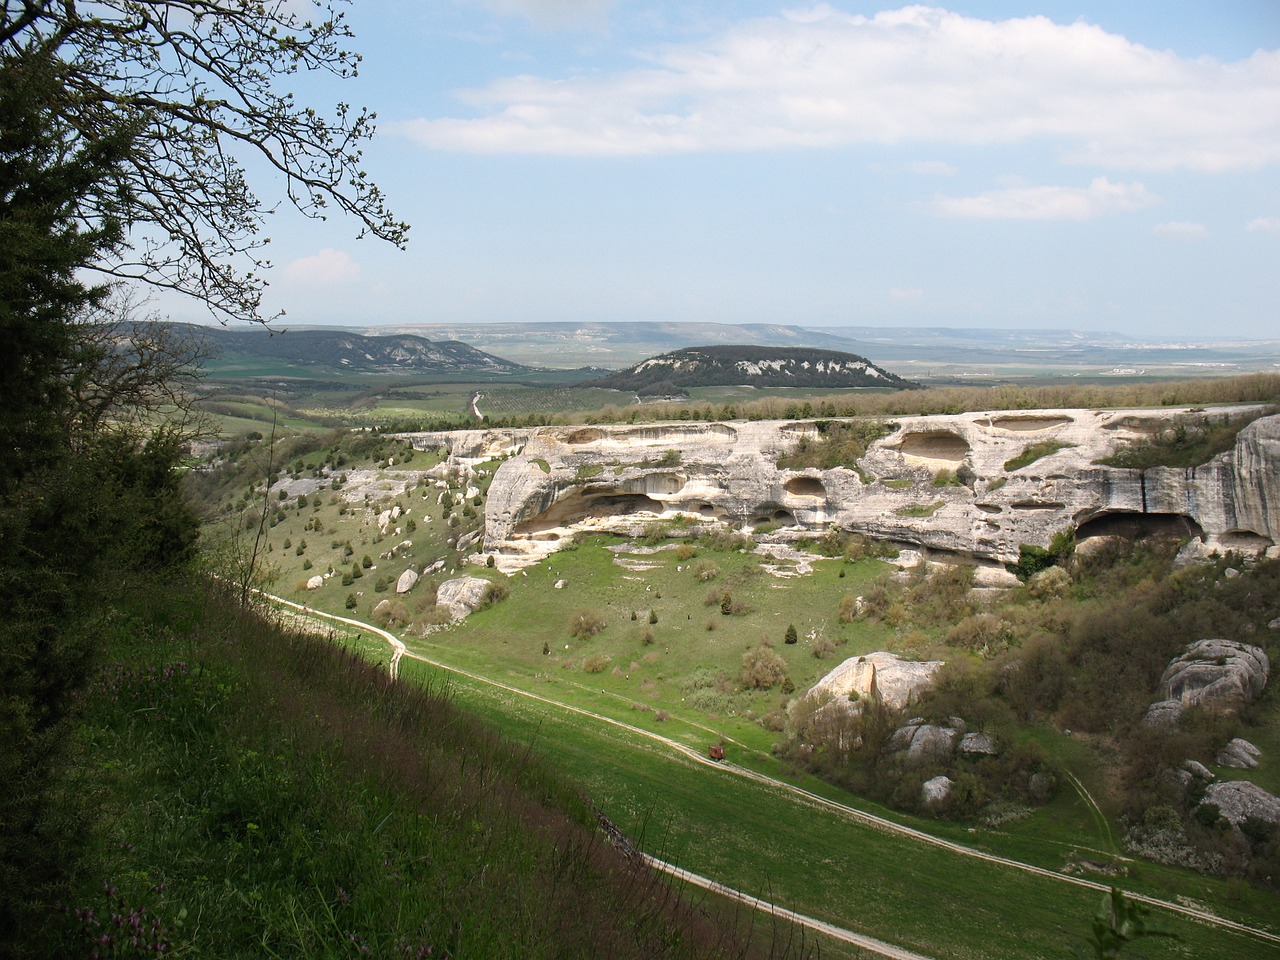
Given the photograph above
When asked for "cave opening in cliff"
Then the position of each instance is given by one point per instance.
(1140, 526)
(578, 508)
(806, 487)
(774, 515)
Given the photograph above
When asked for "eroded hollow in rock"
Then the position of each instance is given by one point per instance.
(1137, 526)
(774, 514)
(1028, 424)
(806, 487)
(935, 445)
(586, 435)
(1037, 505)
(665, 484)
(1245, 541)
(577, 508)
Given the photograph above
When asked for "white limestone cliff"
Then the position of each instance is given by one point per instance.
(620, 478)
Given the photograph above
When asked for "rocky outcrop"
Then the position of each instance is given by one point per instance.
(880, 676)
(621, 478)
(1221, 676)
(1240, 800)
(463, 595)
(1239, 755)
(978, 745)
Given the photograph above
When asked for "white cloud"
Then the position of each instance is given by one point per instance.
(1180, 230)
(1264, 225)
(822, 77)
(328, 268)
(1049, 203)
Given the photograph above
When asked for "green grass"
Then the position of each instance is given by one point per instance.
(759, 839)
(262, 794)
(920, 509)
(1034, 452)
(1189, 443)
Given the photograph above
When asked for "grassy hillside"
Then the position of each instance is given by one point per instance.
(262, 792)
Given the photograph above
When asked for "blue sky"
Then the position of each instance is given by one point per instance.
(1095, 166)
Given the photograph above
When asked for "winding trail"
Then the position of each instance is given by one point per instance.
(849, 813)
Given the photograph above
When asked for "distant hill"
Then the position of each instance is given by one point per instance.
(614, 345)
(336, 351)
(754, 365)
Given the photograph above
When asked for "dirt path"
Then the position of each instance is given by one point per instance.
(849, 813)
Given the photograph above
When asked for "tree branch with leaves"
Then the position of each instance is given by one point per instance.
(198, 83)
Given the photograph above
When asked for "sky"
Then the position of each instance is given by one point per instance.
(1110, 166)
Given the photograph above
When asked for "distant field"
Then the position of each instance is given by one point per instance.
(510, 402)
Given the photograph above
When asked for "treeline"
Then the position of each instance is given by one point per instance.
(1247, 388)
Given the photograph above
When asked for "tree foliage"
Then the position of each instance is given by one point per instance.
(196, 85)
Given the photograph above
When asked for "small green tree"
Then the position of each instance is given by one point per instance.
(653, 616)
(791, 636)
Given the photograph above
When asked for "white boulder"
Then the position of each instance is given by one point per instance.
(407, 581)
(935, 792)
(920, 743)
(882, 676)
(1240, 800)
(1239, 755)
(315, 583)
(462, 595)
(1221, 676)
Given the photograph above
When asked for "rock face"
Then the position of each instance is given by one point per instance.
(1239, 800)
(1222, 676)
(882, 676)
(463, 595)
(620, 478)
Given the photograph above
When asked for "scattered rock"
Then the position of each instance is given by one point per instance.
(1231, 573)
(883, 676)
(560, 584)
(1240, 800)
(978, 745)
(922, 743)
(1239, 755)
(1221, 676)
(935, 793)
(407, 581)
(463, 595)
(1274, 624)
(316, 582)
(381, 608)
